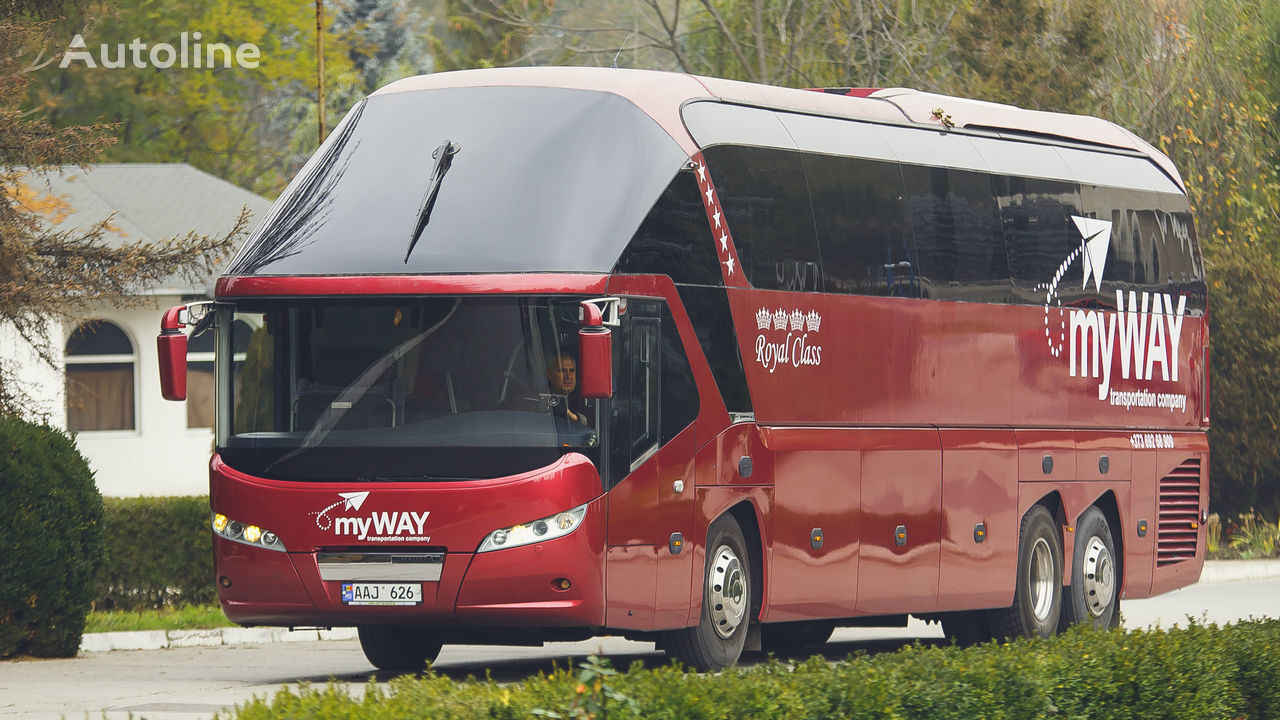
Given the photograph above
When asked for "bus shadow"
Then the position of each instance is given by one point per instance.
(519, 669)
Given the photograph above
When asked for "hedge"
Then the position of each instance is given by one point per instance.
(159, 553)
(50, 540)
(1201, 672)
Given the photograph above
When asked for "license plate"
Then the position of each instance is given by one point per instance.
(382, 593)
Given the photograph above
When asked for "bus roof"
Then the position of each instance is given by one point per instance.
(662, 94)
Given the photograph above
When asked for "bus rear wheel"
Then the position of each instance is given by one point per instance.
(399, 648)
(1037, 594)
(716, 641)
(1094, 594)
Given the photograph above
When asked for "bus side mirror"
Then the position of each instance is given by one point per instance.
(595, 354)
(172, 346)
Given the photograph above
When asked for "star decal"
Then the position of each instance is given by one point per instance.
(717, 218)
(702, 172)
(724, 242)
(729, 264)
(710, 191)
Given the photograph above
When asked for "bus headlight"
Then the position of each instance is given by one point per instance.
(236, 531)
(547, 528)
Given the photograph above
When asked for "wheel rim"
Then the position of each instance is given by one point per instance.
(1099, 576)
(1040, 579)
(727, 591)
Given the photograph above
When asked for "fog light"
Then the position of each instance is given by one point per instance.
(224, 581)
(561, 584)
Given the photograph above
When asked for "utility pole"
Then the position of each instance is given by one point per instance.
(320, 65)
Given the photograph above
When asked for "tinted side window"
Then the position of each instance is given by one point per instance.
(674, 239)
(765, 199)
(1134, 231)
(1041, 236)
(655, 396)
(861, 220)
(1183, 266)
(708, 310)
(679, 391)
(959, 243)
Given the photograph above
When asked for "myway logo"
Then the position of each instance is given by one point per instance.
(1145, 330)
(396, 526)
(382, 524)
(1140, 327)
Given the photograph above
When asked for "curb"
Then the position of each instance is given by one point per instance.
(1215, 571)
(161, 639)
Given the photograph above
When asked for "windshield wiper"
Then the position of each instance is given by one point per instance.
(443, 156)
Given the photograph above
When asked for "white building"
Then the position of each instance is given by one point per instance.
(108, 392)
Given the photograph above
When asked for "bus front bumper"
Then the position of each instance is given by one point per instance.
(556, 583)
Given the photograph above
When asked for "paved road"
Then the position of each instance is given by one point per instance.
(194, 683)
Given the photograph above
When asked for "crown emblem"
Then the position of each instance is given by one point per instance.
(764, 319)
(780, 319)
(797, 320)
(812, 321)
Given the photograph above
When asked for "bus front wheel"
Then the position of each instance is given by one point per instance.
(716, 641)
(398, 648)
(1037, 594)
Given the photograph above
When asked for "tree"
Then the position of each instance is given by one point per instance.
(1199, 78)
(45, 275)
(253, 126)
(386, 40)
(488, 33)
(808, 43)
(1021, 53)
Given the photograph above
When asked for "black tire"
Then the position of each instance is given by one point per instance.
(727, 603)
(966, 628)
(791, 637)
(1094, 594)
(1037, 594)
(398, 648)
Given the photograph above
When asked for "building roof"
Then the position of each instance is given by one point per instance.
(146, 202)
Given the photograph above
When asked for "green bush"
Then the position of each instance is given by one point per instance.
(1202, 672)
(50, 540)
(159, 554)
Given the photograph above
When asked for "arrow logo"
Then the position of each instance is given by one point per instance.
(353, 499)
(1097, 240)
(349, 501)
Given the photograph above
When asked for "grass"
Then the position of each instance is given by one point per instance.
(191, 617)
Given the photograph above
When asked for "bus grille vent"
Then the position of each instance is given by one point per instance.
(1179, 514)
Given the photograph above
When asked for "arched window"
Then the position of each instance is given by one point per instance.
(100, 378)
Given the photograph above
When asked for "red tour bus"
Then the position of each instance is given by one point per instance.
(529, 355)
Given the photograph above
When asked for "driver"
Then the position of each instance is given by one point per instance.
(562, 378)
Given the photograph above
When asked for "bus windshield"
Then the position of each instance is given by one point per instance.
(469, 180)
(443, 388)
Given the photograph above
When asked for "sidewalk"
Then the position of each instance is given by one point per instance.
(1215, 571)
(161, 639)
